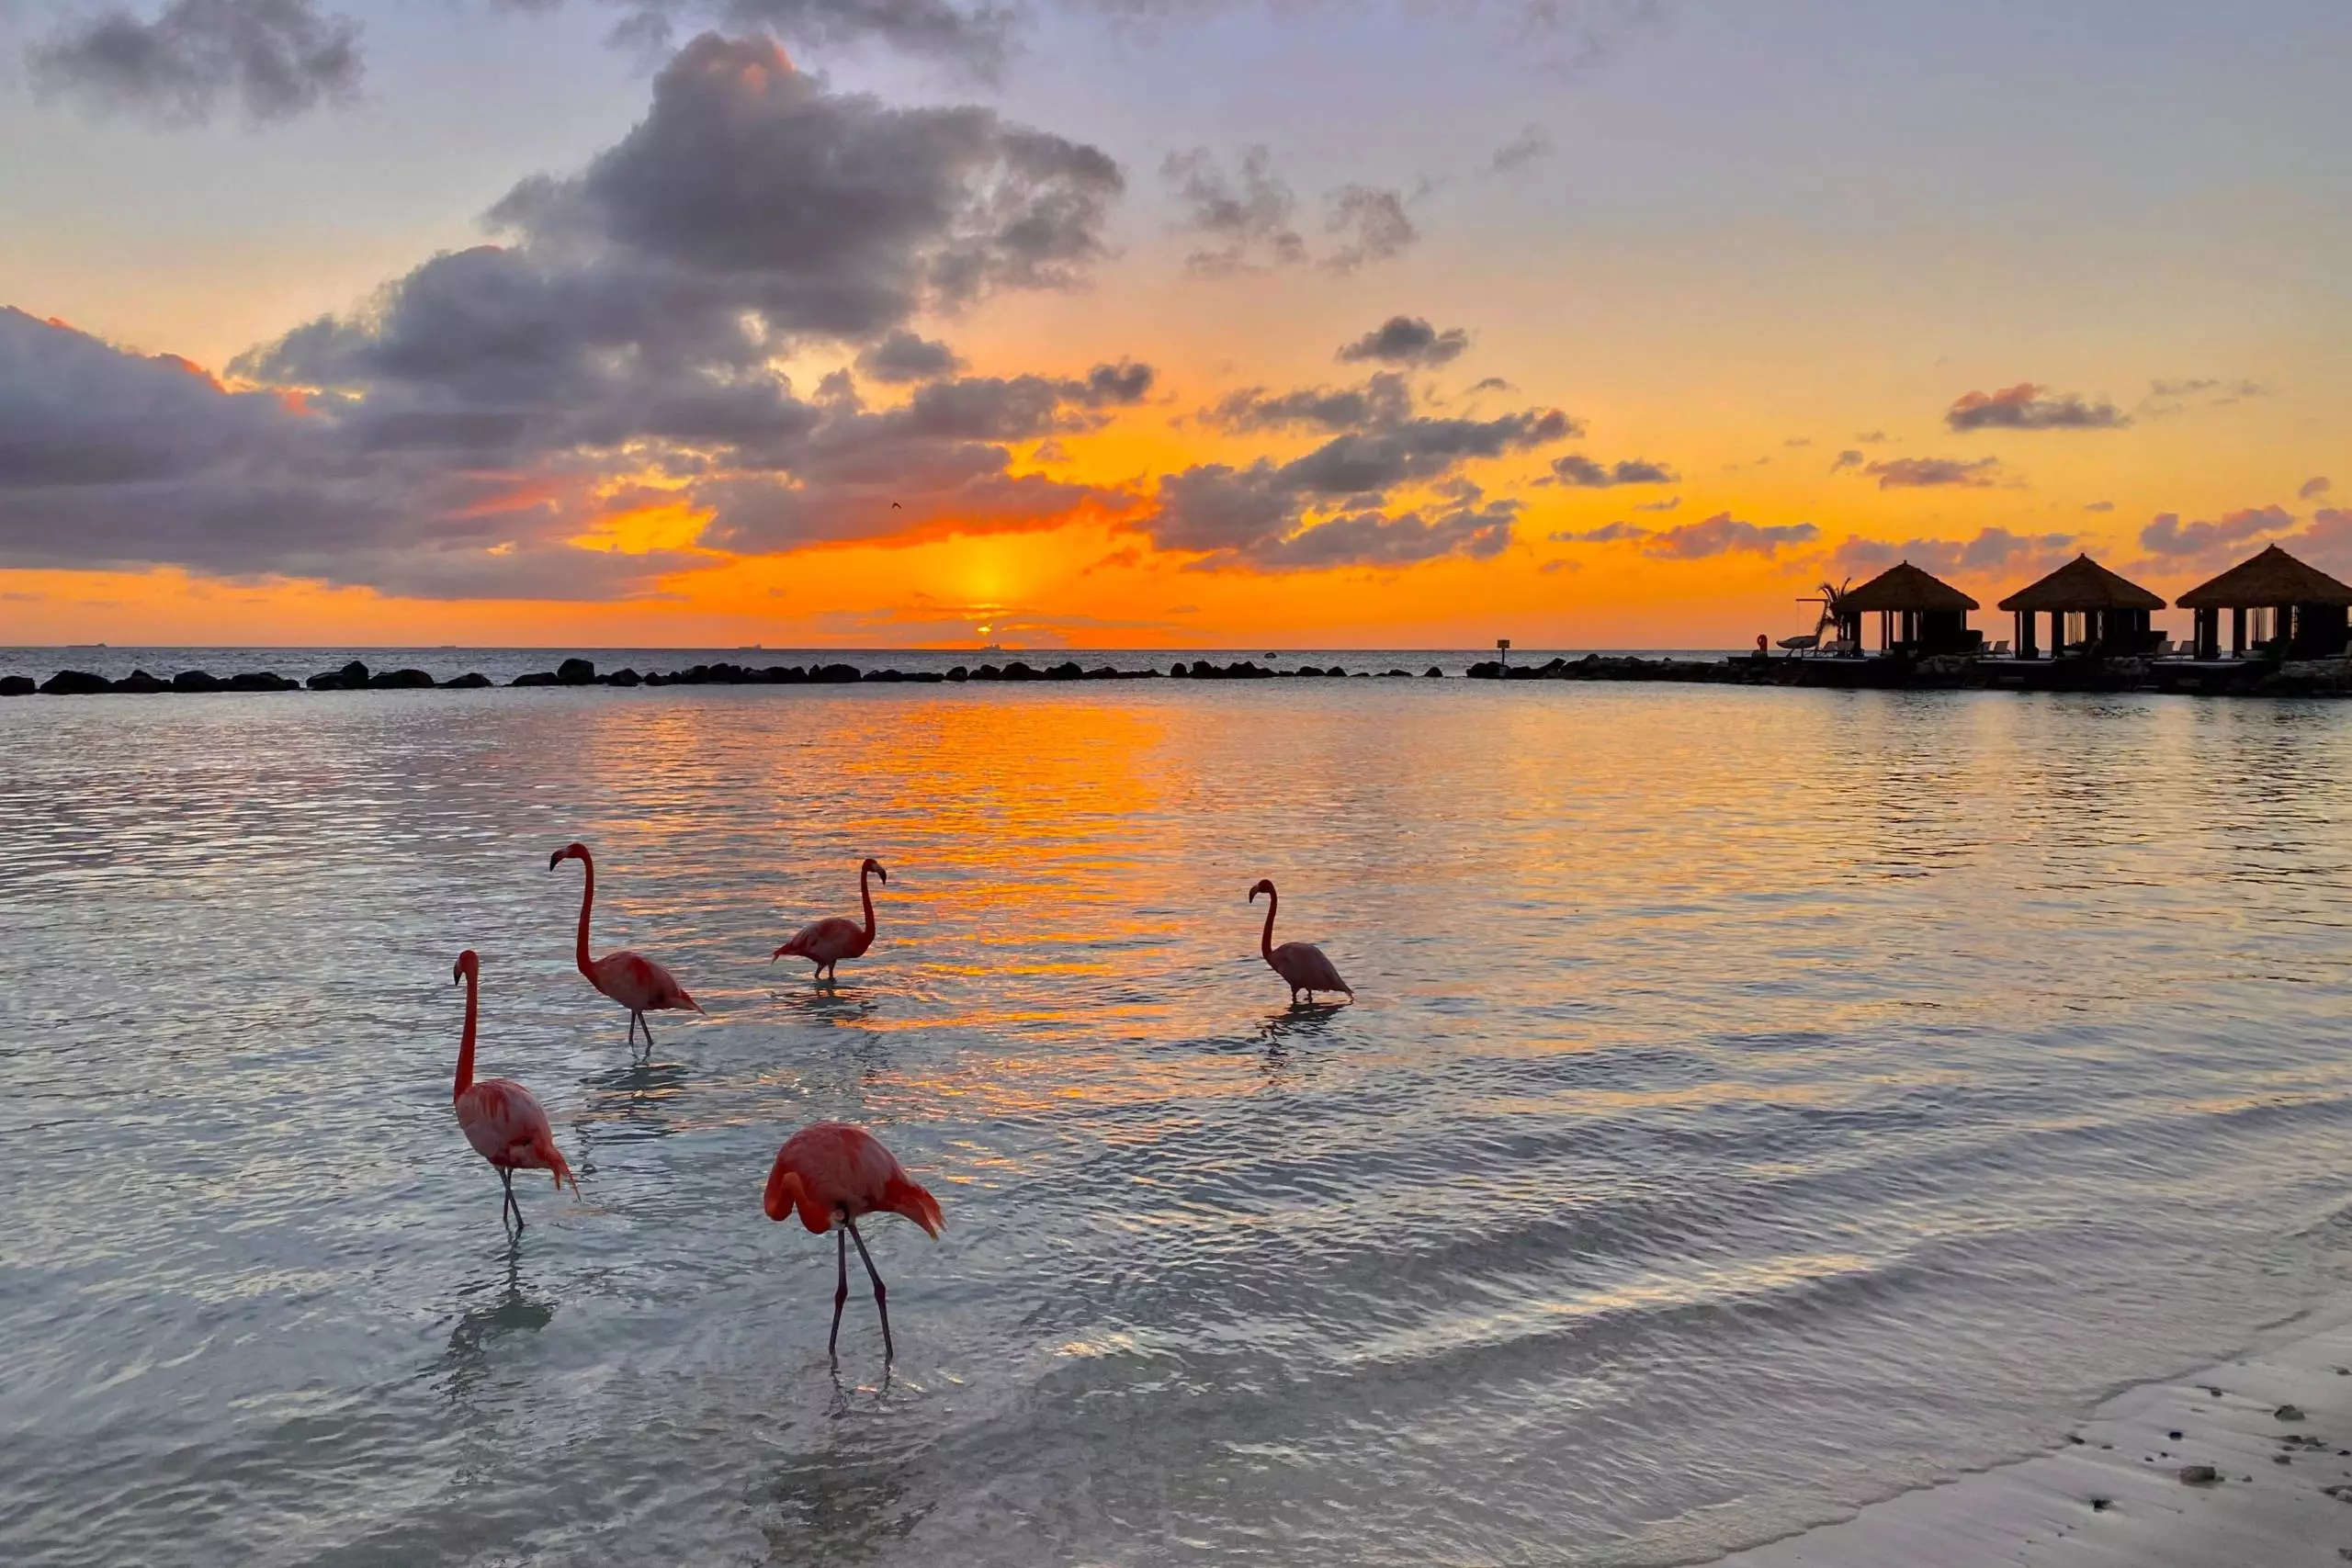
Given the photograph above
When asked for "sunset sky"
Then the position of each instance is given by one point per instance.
(1152, 323)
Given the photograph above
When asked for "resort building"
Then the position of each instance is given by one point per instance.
(2277, 607)
(1918, 613)
(2092, 610)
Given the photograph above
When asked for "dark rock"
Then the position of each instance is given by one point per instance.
(354, 674)
(75, 683)
(576, 671)
(2281, 1459)
(2101, 1505)
(2174, 1436)
(472, 680)
(988, 672)
(400, 681)
(1018, 671)
(622, 676)
(533, 678)
(18, 686)
(833, 674)
(141, 683)
(884, 675)
(1102, 672)
(194, 680)
(1485, 669)
(1335, 670)
(959, 673)
(262, 680)
(1432, 673)
(2287, 1413)
(1181, 670)
(327, 680)
(926, 677)
(2198, 1474)
(1067, 669)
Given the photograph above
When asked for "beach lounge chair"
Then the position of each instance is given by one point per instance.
(1998, 651)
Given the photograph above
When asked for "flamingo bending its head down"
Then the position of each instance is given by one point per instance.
(831, 1173)
(629, 978)
(1301, 963)
(827, 941)
(500, 1120)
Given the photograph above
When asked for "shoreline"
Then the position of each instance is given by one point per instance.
(2130, 1487)
(2258, 678)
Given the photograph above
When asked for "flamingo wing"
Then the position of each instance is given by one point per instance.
(640, 985)
(827, 940)
(1302, 964)
(507, 1128)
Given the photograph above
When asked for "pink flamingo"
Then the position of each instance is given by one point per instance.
(629, 978)
(1301, 963)
(833, 1172)
(829, 941)
(500, 1120)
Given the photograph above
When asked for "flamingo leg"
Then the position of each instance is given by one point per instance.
(506, 1179)
(649, 1030)
(840, 1292)
(881, 1296)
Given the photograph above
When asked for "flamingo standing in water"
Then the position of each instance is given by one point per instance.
(500, 1120)
(831, 1173)
(827, 941)
(1301, 963)
(629, 978)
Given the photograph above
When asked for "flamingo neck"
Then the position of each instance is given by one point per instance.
(587, 901)
(466, 1045)
(865, 892)
(1266, 937)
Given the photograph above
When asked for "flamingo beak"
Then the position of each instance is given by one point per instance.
(555, 860)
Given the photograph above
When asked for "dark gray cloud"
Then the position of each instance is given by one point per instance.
(2100, 506)
(1848, 458)
(1990, 550)
(2313, 488)
(2166, 398)
(1607, 534)
(1919, 473)
(1245, 219)
(483, 409)
(1530, 147)
(2166, 534)
(1407, 339)
(1724, 534)
(1581, 471)
(903, 357)
(1492, 384)
(2027, 406)
(1369, 224)
(273, 58)
(1335, 504)
(1870, 437)
(1669, 505)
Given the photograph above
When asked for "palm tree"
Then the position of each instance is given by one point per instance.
(1832, 601)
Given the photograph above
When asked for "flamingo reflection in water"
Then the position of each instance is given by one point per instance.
(629, 978)
(831, 1173)
(500, 1120)
(827, 941)
(1300, 963)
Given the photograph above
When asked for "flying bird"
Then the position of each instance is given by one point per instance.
(895, 507)
(499, 1116)
(1301, 963)
(831, 1173)
(827, 941)
(629, 978)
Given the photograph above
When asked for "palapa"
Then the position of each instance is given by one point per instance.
(1904, 587)
(2270, 579)
(2082, 585)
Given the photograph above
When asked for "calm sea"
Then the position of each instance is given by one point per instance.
(1756, 1102)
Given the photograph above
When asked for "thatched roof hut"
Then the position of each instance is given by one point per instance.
(1918, 613)
(2297, 610)
(2114, 610)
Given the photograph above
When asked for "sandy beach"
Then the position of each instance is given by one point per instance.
(2247, 1462)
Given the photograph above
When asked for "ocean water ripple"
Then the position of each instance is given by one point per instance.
(1756, 1102)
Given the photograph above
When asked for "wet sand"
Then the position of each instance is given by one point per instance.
(2272, 1430)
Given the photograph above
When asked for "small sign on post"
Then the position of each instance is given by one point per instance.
(1502, 646)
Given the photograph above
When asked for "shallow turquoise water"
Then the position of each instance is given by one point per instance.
(1757, 1102)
